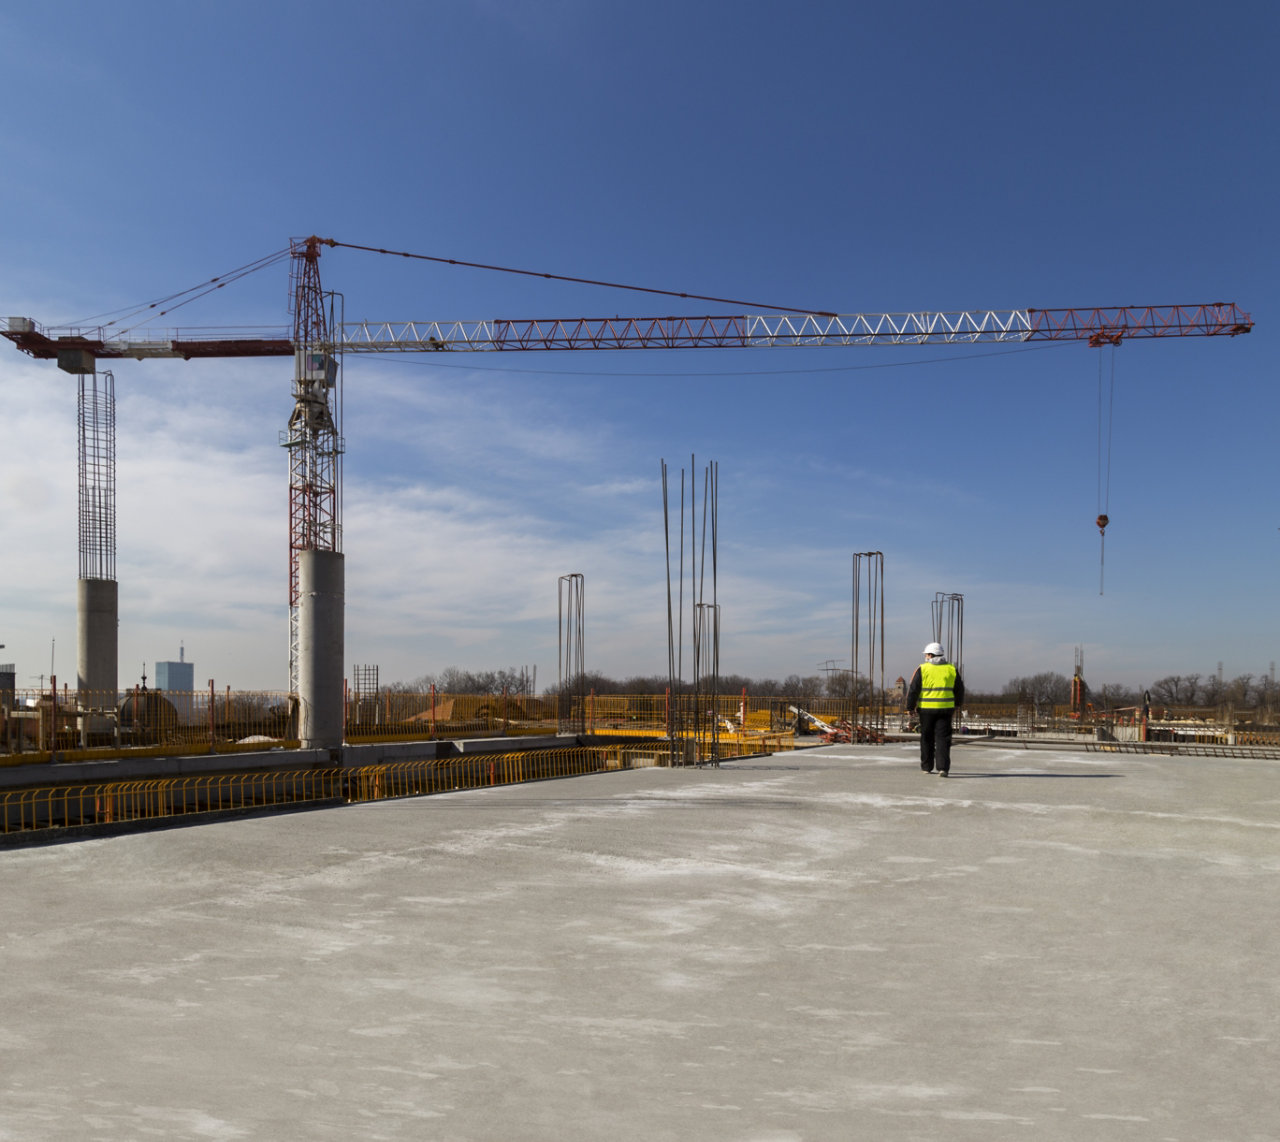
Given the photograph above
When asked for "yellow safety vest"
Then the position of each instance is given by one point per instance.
(937, 686)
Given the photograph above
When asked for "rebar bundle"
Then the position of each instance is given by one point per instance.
(97, 423)
(365, 681)
(866, 695)
(571, 703)
(948, 626)
(693, 721)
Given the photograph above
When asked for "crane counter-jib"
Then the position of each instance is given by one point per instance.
(76, 349)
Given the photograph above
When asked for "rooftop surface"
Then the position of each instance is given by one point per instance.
(827, 944)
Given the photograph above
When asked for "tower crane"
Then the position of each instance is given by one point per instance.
(319, 340)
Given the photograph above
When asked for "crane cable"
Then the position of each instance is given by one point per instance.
(178, 300)
(1104, 469)
(333, 242)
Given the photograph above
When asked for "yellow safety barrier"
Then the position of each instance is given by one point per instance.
(65, 806)
(70, 806)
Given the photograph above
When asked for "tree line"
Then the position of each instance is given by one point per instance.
(1045, 689)
(1245, 691)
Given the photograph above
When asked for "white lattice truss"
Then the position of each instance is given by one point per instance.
(686, 332)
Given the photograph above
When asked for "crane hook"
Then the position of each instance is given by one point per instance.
(1102, 522)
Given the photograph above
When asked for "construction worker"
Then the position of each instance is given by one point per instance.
(936, 690)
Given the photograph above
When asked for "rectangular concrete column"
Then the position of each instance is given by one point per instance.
(321, 601)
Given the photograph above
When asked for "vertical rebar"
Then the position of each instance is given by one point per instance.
(366, 683)
(868, 604)
(97, 594)
(671, 640)
(97, 432)
(705, 623)
(948, 626)
(712, 479)
(571, 653)
(692, 710)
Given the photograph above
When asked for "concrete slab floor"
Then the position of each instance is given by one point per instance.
(821, 945)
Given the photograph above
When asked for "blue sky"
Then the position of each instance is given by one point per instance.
(833, 155)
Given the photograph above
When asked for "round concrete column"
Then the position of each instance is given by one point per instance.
(320, 649)
(97, 640)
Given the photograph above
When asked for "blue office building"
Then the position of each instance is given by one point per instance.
(179, 676)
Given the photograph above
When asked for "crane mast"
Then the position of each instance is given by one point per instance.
(313, 438)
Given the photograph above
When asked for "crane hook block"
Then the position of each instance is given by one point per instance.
(1102, 522)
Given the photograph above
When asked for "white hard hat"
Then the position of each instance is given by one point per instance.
(934, 649)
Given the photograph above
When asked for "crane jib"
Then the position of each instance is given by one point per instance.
(76, 350)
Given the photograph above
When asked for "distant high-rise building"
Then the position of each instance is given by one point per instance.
(180, 675)
(179, 679)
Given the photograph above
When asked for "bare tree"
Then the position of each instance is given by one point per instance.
(1115, 695)
(794, 686)
(1213, 691)
(1176, 689)
(1265, 691)
(1046, 689)
(1240, 691)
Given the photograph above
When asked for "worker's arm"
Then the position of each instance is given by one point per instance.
(959, 690)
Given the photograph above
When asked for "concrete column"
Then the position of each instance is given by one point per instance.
(321, 600)
(97, 640)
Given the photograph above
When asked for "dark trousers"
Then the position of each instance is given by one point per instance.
(935, 739)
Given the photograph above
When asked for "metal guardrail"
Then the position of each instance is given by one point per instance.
(1186, 749)
(60, 724)
(54, 807)
(48, 808)
(71, 806)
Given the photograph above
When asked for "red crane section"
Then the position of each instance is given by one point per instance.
(1105, 326)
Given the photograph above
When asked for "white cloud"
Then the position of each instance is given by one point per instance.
(465, 501)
